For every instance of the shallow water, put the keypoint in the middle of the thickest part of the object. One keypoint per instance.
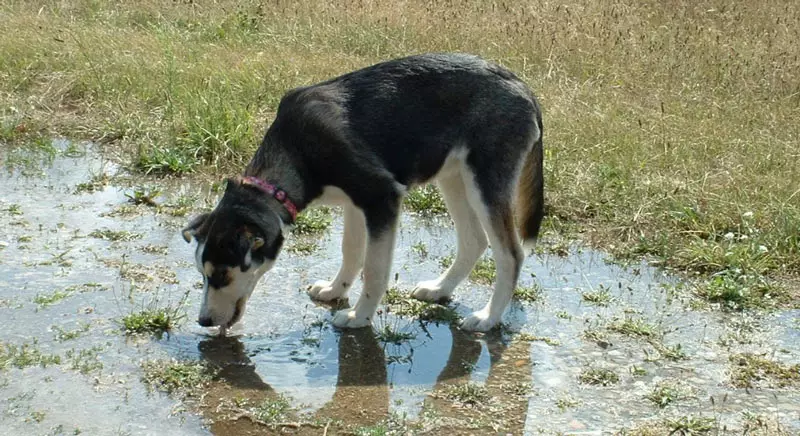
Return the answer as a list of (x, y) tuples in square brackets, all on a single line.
[(285, 345)]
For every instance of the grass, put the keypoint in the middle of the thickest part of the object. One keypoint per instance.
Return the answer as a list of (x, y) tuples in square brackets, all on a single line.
[(184, 377), (740, 291), (25, 355), (313, 221), (469, 394), (153, 321), (533, 338), (748, 370), (484, 271), (391, 335), (672, 128), (598, 376), (45, 300), (272, 410), (601, 297), (85, 361), (635, 327), (303, 246), (426, 201), (664, 394), (567, 402), (144, 196), (115, 235)]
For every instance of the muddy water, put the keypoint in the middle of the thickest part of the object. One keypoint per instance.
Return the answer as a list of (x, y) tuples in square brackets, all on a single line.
[(286, 347)]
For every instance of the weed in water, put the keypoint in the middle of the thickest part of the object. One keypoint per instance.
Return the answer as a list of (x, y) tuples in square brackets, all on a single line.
[(115, 235), (25, 355), (373, 430), (425, 311), (154, 321), (45, 300), (96, 183), (690, 425), (86, 360), (62, 335), (425, 201), (144, 196), (392, 335), (567, 402), (185, 378), (634, 327), (313, 221), (303, 246), (272, 410), (420, 249), (470, 394), (532, 338), (598, 376), (600, 297), (665, 393), (528, 294), (484, 271), (599, 337), (748, 369)]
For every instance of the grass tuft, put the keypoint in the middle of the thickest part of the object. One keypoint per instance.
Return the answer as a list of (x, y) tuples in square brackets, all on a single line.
[(153, 321), (469, 394), (426, 201), (186, 378), (313, 221), (748, 369), (598, 376)]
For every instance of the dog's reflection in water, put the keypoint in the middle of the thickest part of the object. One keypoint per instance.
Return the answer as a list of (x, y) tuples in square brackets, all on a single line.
[(361, 397)]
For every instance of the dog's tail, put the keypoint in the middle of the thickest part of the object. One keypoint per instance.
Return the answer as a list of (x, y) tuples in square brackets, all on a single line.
[(530, 191)]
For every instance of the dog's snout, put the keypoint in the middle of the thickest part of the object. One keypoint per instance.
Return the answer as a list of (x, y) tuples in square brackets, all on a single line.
[(205, 321)]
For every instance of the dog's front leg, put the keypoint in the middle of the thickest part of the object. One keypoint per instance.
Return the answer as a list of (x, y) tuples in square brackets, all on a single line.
[(380, 248), (353, 246)]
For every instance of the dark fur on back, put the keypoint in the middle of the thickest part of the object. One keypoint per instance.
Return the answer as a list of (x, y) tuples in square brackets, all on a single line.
[(376, 131)]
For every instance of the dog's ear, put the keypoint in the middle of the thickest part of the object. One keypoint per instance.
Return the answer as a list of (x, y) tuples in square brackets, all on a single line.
[(194, 226)]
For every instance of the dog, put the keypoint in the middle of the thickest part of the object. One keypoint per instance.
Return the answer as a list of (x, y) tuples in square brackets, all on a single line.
[(361, 141)]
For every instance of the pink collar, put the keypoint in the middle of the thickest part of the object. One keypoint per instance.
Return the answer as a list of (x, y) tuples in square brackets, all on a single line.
[(274, 192)]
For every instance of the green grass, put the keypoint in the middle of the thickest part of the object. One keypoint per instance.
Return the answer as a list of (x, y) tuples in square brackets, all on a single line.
[(62, 335), (636, 327), (528, 294), (183, 377), (469, 394), (25, 355), (664, 394), (303, 246), (272, 410), (533, 338), (484, 271), (154, 321), (737, 291), (45, 300), (391, 335), (86, 360), (115, 235), (666, 143), (748, 370), (598, 376), (313, 221), (426, 201), (601, 297)]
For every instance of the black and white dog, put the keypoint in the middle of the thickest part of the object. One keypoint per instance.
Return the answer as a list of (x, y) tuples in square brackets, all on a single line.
[(362, 140)]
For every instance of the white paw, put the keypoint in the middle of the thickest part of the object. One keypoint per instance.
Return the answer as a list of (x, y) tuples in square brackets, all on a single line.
[(430, 290), (349, 319), (324, 291), (479, 321)]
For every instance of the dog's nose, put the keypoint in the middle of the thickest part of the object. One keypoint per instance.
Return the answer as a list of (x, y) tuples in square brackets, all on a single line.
[(205, 321)]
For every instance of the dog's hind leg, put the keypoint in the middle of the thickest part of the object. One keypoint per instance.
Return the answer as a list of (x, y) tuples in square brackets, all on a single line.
[(497, 218), (471, 242), (353, 248), (377, 267)]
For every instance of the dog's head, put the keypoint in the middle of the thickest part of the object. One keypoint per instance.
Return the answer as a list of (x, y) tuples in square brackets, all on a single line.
[(236, 244)]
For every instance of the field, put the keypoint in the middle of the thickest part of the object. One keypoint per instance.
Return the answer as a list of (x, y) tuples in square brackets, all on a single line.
[(670, 127)]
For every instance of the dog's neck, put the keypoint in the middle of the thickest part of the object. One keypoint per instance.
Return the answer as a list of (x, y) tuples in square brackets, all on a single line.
[(276, 167)]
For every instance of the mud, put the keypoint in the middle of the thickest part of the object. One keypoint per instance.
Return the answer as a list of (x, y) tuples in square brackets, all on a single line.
[(522, 379)]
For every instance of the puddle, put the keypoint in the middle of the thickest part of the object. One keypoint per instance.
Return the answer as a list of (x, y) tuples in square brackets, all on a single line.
[(64, 292)]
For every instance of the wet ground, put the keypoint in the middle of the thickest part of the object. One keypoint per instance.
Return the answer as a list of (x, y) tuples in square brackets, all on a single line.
[(597, 349)]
